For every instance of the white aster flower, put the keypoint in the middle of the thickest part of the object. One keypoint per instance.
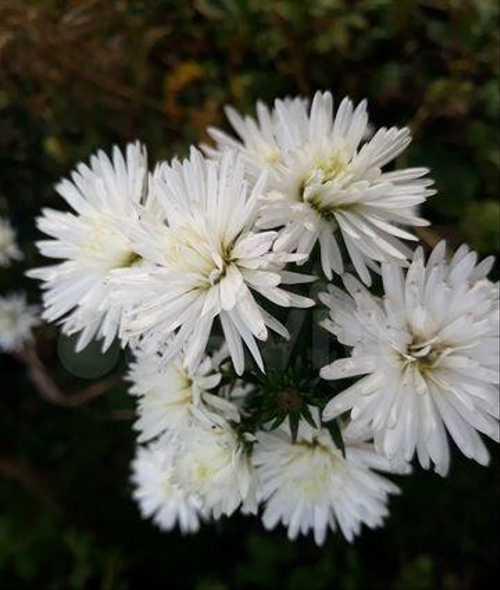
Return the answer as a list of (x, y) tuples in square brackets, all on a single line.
[(206, 262), (261, 144), (9, 249), (309, 485), (106, 198), (168, 392), (158, 496), (325, 179), (429, 353), (212, 463), (17, 320)]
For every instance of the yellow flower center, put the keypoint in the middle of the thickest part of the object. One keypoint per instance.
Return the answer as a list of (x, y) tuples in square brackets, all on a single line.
[(326, 171)]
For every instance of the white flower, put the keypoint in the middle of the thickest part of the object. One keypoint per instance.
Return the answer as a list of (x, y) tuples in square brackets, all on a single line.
[(310, 485), (261, 143), (212, 463), (429, 351), (324, 179), (91, 242), (167, 393), (157, 495), (205, 263), (9, 249), (17, 319)]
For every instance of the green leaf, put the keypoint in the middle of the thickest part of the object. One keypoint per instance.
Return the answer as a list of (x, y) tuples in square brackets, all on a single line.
[(294, 420), (277, 421), (335, 431), (306, 414)]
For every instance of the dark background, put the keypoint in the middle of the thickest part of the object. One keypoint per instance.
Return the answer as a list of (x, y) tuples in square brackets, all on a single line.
[(75, 76)]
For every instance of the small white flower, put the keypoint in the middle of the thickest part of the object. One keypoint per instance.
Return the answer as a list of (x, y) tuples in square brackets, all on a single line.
[(261, 141), (205, 263), (167, 393), (211, 463), (158, 496), (429, 351), (9, 249), (106, 198), (324, 180), (17, 320), (309, 485)]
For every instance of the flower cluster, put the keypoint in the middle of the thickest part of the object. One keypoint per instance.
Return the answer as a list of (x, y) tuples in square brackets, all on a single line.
[(17, 317), (17, 320), (173, 260), (9, 250)]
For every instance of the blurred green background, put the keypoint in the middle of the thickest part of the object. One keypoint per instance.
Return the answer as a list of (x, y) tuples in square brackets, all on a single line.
[(77, 75)]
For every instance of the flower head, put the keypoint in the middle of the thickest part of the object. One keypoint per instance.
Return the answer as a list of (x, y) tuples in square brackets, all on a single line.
[(158, 496), (429, 353), (9, 249), (261, 143), (206, 263), (310, 485), (17, 320), (326, 180), (168, 392), (212, 463), (106, 198)]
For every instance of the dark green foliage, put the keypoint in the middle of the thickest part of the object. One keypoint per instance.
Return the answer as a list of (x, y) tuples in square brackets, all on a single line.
[(77, 75)]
